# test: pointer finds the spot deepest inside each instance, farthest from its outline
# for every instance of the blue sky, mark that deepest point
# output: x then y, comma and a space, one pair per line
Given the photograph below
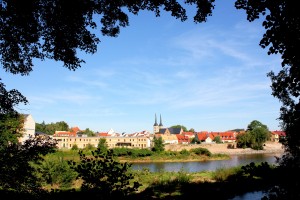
209, 76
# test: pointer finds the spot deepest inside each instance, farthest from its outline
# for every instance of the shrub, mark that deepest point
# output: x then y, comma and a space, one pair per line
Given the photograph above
103, 175
201, 151
55, 170
184, 152
74, 147
89, 147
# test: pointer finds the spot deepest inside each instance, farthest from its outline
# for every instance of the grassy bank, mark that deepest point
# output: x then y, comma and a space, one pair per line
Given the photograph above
138, 155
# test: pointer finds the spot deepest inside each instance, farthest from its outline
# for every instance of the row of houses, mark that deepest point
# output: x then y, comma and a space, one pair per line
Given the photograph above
67, 139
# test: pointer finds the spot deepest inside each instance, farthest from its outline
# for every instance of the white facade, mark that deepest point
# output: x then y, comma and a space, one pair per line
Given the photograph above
28, 128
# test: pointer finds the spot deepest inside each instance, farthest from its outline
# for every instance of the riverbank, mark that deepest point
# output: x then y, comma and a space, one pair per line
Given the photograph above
269, 147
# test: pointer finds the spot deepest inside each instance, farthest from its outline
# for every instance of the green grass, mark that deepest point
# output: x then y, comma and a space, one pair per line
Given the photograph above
165, 156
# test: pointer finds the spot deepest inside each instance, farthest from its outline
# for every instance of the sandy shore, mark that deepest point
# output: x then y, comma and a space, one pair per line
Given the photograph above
270, 147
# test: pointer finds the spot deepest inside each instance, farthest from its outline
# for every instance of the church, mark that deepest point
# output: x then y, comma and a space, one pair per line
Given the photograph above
159, 128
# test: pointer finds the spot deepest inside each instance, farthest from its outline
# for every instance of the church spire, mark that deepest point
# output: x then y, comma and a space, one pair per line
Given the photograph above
155, 123
160, 123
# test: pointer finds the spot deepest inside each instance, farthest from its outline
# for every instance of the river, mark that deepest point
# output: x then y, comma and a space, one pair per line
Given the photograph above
212, 165
235, 160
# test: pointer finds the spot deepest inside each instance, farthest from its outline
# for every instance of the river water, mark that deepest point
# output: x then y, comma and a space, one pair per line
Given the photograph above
212, 165
235, 160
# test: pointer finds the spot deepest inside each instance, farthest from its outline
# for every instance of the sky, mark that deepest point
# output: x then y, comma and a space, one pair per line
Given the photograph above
210, 77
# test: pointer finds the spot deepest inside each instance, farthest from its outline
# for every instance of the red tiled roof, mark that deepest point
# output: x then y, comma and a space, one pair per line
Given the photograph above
64, 133
228, 135
104, 134
280, 133
182, 138
75, 129
188, 133
202, 135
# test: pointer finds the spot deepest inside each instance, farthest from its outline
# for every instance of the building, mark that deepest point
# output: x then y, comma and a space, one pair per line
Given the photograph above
28, 128
168, 135
276, 136
208, 137
113, 140
157, 127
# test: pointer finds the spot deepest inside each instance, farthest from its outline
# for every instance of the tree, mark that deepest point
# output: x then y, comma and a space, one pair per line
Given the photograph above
282, 36
158, 145
192, 130
259, 134
52, 127
218, 139
256, 134
11, 128
89, 132
56, 29
10, 99
16, 171
244, 140
180, 126
74, 147
55, 170
102, 145
256, 124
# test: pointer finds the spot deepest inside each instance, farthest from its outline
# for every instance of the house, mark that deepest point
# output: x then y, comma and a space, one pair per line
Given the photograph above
208, 137
226, 137
28, 128
74, 131
201, 136
188, 134
168, 138
182, 139
276, 136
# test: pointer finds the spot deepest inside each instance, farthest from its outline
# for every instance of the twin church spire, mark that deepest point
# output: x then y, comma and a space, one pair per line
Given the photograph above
156, 126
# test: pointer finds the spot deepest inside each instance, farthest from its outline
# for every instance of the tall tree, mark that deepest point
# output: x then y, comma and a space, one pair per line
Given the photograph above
9, 99
256, 124
282, 36
102, 145
158, 144
11, 128
52, 127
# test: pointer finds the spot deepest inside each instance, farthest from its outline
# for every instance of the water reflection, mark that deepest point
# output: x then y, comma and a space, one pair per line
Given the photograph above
235, 160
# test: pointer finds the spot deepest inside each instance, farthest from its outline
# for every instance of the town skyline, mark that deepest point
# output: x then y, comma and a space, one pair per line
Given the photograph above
158, 122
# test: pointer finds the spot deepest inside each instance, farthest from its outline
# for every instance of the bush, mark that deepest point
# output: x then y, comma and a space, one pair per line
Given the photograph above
16, 164
56, 171
89, 147
201, 151
184, 152
134, 153
74, 147
103, 175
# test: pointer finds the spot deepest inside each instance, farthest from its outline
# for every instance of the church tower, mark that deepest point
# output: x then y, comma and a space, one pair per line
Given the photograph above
160, 123
155, 126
